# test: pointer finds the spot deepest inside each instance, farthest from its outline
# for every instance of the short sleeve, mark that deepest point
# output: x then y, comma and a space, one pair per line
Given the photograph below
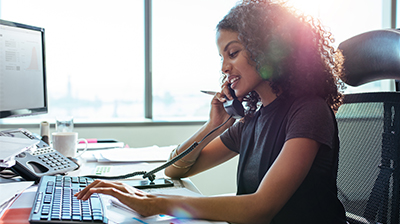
231, 137
312, 118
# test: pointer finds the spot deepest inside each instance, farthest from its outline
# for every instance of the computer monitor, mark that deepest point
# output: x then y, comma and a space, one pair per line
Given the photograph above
22, 70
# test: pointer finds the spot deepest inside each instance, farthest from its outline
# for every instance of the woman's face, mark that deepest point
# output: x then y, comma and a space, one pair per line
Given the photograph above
242, 76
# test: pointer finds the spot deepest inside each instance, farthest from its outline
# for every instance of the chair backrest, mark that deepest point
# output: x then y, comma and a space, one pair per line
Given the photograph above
368, 175
371, 56
369, 131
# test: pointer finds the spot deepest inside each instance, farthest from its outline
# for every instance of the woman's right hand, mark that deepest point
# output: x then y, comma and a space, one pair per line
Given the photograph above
141, 202
218, 113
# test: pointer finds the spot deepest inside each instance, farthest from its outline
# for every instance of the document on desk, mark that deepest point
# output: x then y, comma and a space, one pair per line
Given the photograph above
10, 147
144, 154
120, 213
9, 191
116, 170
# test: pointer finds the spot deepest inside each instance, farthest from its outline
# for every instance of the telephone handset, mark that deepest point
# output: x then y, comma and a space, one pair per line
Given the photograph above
39, 161
234, 107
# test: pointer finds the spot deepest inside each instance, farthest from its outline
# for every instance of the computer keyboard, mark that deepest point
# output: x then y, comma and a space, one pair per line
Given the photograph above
55, 202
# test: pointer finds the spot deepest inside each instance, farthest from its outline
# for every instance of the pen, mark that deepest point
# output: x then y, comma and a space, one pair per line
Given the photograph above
94, 140
208, 92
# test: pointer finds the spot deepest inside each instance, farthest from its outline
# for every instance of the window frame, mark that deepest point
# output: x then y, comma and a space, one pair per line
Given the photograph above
148, 96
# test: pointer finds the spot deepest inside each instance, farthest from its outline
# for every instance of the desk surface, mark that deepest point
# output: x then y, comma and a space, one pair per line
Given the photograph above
20, 209
89, 168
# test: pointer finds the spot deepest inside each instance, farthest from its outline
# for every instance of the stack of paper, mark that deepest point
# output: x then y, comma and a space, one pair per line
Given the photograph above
10, 147
145, 154
9, 191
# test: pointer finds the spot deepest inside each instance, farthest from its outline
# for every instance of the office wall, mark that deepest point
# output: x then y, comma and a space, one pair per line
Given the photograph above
219, 180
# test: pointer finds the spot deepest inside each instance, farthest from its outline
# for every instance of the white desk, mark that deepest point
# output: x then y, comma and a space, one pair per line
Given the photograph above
20, 209
88, 168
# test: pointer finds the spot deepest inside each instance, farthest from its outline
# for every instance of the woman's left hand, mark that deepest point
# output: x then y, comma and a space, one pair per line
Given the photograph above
140, 201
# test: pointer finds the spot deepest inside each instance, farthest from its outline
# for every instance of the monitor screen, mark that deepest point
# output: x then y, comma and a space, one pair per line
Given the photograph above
22, 70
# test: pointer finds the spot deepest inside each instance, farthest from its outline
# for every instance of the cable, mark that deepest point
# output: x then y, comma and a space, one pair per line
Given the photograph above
151, 174
5, 173
215, 129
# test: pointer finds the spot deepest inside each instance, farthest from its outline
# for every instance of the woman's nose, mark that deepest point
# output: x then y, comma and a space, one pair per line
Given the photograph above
226, 67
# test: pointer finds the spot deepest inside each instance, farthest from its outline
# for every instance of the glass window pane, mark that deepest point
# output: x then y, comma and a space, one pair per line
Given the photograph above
185, 57
346, 19
95, 56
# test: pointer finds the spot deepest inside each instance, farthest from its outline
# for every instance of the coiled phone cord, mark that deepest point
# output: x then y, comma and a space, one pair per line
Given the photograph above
151, 174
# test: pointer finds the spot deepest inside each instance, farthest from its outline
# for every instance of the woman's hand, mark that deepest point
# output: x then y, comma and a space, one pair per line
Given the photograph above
218, 113
142, 202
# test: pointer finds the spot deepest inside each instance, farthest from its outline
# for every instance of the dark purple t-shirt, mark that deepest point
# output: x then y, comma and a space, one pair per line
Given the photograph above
260, 140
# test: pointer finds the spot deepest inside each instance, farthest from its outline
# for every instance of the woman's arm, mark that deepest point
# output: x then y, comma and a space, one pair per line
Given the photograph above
277, 186
205, 156
192, 163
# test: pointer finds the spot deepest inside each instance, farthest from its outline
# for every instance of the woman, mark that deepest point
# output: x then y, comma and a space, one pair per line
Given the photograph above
282, 65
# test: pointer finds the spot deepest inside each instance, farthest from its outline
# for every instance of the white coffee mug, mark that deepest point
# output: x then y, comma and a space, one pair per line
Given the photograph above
67, 143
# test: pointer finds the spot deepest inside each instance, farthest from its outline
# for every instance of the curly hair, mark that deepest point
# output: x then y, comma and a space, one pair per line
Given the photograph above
292, 51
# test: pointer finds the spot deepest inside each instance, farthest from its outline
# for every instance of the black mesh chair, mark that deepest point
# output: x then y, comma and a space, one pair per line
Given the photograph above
369, 131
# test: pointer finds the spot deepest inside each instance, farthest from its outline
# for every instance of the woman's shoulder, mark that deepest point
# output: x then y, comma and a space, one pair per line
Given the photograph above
310, 107
311, 101
311, 117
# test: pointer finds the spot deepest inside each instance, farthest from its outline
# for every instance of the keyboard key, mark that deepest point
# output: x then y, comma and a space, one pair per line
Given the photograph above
65, 217
96, 204
97, 218
49, 189
76, 217
87, 218
82, 180
47, 199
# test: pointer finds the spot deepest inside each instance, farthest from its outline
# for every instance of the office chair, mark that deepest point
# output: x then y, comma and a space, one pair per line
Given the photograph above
369, 131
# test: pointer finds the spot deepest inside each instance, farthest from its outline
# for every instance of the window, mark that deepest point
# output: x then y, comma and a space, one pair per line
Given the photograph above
185, 57
95, 53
